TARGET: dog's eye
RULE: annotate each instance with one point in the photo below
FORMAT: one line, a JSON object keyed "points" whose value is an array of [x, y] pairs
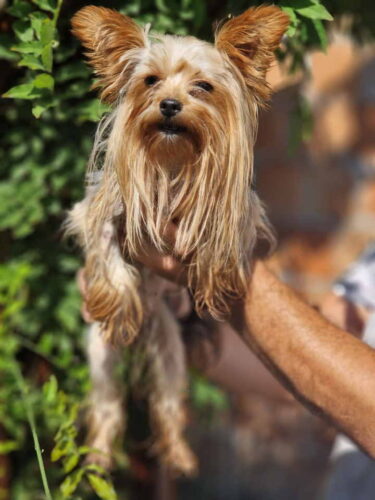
{"points": [[205, 86], [151, 80]]}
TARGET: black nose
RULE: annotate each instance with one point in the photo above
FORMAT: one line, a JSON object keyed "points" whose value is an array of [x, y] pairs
{"points": [[170, 107]]}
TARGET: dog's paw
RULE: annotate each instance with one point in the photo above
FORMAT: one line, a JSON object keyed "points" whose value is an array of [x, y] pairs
{"points": [[100, 459], [181, 460]]}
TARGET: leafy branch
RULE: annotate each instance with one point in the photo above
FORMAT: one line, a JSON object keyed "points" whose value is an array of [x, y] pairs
{"points": [[61, 407], [36, 32]]}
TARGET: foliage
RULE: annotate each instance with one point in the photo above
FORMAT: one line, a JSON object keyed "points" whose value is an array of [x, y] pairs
{"points": [[42, 169], [36, 32], [63, 411]]}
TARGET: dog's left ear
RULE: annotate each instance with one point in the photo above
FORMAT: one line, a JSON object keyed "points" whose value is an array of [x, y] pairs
{"points": [[249, 41], [112, 40]]}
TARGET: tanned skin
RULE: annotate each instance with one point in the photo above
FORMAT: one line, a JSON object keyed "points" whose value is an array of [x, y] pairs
{"points": [[328, 370]]}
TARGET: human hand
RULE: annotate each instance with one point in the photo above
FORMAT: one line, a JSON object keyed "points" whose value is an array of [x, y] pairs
{"points": [[82, 287], [166, 265], [344, 314]]}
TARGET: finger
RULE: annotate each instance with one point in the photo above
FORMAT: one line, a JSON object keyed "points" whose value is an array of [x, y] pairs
{"points": [[165, 265], [169, 232], [81, 282], [86, 316]]}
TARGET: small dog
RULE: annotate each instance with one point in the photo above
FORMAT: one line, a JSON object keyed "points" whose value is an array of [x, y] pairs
{"points": [[177, 146]]}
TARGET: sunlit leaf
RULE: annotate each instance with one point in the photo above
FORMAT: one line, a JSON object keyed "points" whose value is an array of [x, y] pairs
{"points": [[23, 30], [321, 33], [48, 5], [23, 91], [31, 61], [317, 11], [44, 81], [70, 483], [102, 488]]}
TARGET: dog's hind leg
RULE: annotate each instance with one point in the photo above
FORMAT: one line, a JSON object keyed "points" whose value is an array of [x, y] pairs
{"points": [[106, 417], [166, 385]]}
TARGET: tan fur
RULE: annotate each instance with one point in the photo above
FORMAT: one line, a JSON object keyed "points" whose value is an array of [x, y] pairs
{"points": [[141, 178], [254, 36], [108, 35], [164, 363]]}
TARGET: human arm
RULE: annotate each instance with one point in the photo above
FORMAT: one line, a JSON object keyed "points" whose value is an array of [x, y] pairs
{"points": [[329, 371]]}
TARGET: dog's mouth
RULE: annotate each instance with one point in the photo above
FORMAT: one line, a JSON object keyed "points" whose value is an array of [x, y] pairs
{"points": [[171, 128]]}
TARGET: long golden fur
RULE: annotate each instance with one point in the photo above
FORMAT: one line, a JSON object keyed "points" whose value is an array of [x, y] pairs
{"points": [[141, 177]]}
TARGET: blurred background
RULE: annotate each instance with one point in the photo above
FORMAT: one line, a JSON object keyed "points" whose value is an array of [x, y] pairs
{"points": [[315, 171]]}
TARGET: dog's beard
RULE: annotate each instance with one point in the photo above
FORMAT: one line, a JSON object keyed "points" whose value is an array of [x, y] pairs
{"points": [[171, 145]]}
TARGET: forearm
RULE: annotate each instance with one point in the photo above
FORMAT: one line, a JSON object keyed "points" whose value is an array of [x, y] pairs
{"points": [[326, 368], [227, 361]]}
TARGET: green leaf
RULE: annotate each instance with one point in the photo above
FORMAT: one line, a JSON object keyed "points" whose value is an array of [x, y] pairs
{"points": [[316, 11], [291, 14], [38, 110], [83, 450], [48, 5], [44, 81], [62, 449], [31, 61], [8, 446], [70, 463], [102, 488], [71, 71], [91, 110], [19, 8], [37, 19], [187, 14], [50, 389], [33, 47], [321, 33], [162, 5], [95, 468], [23, 30], [47, 31], [293, 20], [70, 483], [46, 55], [22, 91], [6, 53]]}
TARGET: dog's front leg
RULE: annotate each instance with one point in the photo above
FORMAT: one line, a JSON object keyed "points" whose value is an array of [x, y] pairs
{"points": [[112, 296], [112, 283]]}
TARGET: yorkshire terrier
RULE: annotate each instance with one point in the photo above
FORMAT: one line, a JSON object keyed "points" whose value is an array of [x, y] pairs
{"points": [[177, 146]]}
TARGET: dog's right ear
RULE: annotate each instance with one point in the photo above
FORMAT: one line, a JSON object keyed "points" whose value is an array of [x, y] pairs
{"points": [[249, 41], [112, 40]]}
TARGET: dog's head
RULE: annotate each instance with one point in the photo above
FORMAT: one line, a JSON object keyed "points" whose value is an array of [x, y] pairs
{"points": [[180, 95]]}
